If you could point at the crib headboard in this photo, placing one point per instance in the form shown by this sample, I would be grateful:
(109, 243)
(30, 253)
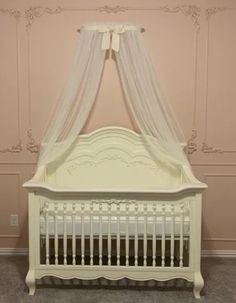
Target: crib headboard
(114, 158)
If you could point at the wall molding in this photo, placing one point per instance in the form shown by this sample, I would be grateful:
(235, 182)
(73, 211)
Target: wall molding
(219, 175)
(34, 12)
(18, 162)
(5, 251)
(220, 239)
(211, 11)
(16, 147)
(219, 253)
(191, 144)
(213, 163)
(12, 12)
(9, 236)
(206, 147)
(31, 145)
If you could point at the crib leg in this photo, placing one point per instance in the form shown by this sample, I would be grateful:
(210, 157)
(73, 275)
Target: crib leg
(198, 285)
(30, 281)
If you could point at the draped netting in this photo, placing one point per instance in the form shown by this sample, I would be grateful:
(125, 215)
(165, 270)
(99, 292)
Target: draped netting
(77, 99)
(141, 89)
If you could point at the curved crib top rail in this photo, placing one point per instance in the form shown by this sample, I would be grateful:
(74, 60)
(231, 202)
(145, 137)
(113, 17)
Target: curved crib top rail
(111, 159)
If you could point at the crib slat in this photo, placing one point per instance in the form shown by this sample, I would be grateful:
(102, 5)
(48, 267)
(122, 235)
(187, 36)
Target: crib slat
(109, 234)
(65, 234)
(127, 236)
(47, 231)
(82, 234)
(56, 233)
(181, 235)
(100, 234)
(154, 209)
(163, 240)
(118, 235)
(145, 236)
(73, 235)
(136, 237)
(91, 233)
(172, 242)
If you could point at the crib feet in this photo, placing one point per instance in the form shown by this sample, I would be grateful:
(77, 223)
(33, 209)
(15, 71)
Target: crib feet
(198, 285)
(30, 282)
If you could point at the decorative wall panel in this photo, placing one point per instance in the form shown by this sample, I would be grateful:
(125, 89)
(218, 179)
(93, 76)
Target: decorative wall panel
(10, 133)
(10, 199)
(220, 70)
(193, 49)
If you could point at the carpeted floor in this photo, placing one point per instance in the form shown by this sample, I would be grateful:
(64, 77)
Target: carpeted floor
(219, 275)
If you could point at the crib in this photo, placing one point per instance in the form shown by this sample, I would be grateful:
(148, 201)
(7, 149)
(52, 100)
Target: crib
(109, 210)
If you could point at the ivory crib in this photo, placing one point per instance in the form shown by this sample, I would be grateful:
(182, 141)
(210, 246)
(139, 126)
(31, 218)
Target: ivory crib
(109, 210)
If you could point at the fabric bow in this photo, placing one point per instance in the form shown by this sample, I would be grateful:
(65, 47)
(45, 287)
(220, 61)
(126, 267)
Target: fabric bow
(111, 36)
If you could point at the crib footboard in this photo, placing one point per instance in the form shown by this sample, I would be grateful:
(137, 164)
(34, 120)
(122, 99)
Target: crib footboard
(140, 237)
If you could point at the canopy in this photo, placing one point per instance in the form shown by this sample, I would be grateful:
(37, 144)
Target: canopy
(151, 113)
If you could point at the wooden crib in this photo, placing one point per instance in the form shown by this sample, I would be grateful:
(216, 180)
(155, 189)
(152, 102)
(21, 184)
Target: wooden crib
(109, 210)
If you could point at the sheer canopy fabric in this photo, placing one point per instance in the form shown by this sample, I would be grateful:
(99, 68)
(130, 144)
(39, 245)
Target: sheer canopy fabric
(141, 89)
(77, 98)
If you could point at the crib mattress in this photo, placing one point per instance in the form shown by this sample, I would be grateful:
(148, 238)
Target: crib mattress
(113, 227)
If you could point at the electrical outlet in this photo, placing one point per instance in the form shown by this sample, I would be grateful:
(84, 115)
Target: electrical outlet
(14, 220)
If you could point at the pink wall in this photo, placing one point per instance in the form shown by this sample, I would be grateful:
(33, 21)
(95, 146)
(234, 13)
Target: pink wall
(194, 52)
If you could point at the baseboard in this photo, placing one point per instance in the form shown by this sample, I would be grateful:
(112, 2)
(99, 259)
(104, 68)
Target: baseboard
(219, 253)
(205, 253)
(13, 251)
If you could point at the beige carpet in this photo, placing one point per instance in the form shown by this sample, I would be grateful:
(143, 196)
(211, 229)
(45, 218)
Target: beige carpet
(219, 275)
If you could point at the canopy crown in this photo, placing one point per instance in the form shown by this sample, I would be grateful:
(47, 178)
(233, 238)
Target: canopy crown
(111, 32)
(118, 27)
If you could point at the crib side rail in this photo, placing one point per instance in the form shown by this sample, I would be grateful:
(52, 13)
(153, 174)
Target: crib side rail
(115, 232)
